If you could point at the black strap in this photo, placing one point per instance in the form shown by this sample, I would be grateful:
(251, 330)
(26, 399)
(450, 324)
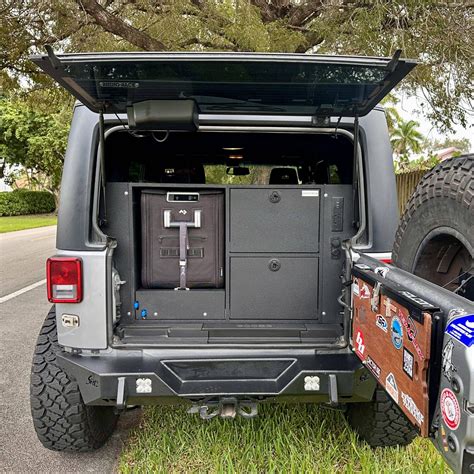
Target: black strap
(183, 255)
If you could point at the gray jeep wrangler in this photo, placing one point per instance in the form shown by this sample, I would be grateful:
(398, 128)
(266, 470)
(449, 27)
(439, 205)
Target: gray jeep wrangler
(225, 239)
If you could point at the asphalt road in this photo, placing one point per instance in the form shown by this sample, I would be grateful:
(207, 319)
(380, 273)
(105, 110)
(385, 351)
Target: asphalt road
(22, 311)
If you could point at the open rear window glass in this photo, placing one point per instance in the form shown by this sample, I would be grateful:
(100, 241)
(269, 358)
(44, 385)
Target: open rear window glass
(247, 83)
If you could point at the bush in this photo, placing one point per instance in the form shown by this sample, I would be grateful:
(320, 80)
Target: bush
(21, 202)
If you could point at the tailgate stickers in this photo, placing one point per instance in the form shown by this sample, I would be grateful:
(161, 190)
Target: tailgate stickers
(391, 386)
(408, 362)
(364, 292)
(360, 347)
(462, 329)
(381, 323)
(373, 367)
(450, 409)
(410, 405)
(397, 333)
(394, 346)
(447, 365)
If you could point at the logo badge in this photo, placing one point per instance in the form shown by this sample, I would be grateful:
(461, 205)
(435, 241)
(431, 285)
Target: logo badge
(373, 367)
(408, 361)
(359, 345)
(391, 386)
(412, 408)
(381, 323)
(462, 329)
(397, 333)
(450, 409)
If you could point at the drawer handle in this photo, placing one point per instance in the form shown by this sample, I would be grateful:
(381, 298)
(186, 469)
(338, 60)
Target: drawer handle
(274, 264)
(275, 197)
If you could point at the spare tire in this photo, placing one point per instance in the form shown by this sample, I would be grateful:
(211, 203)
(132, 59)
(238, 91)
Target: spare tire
(435, 238)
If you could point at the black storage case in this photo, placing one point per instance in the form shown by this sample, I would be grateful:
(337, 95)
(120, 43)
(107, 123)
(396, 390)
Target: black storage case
(161, 240)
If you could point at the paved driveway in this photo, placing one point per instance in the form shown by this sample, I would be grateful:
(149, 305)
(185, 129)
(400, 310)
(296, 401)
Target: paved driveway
(22, 310)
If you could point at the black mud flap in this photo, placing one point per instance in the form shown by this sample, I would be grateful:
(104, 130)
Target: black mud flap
(417, 340)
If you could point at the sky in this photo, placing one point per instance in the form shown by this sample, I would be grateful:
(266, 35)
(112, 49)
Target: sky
(409, 108)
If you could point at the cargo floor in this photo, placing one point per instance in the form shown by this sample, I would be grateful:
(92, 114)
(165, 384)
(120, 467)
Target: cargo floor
(152, 333)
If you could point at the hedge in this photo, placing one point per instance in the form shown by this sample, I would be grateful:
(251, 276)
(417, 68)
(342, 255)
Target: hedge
(21, 202)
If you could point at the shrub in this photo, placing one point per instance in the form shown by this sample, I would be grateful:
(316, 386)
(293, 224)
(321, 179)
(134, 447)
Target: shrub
(22, 202)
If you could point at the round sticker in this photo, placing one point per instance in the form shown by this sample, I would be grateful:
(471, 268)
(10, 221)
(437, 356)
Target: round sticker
(450, 409)
(397, 333)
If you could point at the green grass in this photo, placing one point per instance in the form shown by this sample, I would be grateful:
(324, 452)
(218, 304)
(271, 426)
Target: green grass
(284, 438)
(10, 224)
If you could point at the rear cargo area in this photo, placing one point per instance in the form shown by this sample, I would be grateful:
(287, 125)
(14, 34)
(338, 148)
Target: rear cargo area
(227, 238)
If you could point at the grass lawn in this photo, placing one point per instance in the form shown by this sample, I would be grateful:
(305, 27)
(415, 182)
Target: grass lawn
(9, 224)
(284, 438)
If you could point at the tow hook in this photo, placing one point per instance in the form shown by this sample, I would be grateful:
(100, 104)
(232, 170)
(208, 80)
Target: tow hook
(227, 408)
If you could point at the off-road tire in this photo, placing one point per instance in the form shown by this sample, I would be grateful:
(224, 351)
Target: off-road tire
(380, 422)
(442, 202)
(61, 419)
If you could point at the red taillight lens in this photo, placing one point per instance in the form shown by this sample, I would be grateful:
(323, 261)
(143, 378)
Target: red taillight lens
(386, 260)
(64, 279)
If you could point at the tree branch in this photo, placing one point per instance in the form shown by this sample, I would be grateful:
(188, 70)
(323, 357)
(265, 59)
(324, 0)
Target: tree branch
(118, 27)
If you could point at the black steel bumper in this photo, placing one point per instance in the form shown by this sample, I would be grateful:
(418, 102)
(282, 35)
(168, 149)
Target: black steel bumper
(111, 377)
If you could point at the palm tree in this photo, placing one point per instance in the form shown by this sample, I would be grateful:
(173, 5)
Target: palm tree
(406, 139)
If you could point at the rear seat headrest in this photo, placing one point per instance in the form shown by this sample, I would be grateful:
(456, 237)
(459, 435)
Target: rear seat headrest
(283, 176)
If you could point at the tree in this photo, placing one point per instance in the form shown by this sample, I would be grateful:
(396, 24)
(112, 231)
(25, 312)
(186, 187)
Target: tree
(406, 139)
(34, 140)
(437, 33)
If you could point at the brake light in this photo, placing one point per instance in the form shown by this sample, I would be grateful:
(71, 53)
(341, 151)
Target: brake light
(64, 279)
(386, 260)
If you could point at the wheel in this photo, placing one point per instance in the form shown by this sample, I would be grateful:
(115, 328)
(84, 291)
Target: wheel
(435, 238)
(61, 419)
(380, 422)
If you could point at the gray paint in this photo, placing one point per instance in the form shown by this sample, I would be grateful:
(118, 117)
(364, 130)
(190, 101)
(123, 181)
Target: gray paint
(289, 225)
(380, 182)
(92, 310)
(183, 305)
(257, 292)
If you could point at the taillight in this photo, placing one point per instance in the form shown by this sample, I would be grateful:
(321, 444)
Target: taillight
(386, 260)
(64, 279)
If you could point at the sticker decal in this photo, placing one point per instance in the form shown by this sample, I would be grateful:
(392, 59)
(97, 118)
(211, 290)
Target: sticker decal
(373, 367)
(450, 409)
(355, 287)
(411, 334)
(364, 292)
(397, 333)
(416, 299)
(447, 364)
(381, 323)
(462, 329)
(359, 346)
(389, 308)
(408, 362)
(412, 408)
(456, 312)
(382, 271)
(391, 386)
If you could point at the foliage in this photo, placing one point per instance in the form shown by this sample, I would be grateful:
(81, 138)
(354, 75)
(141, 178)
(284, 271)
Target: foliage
(23, 202)
(14, 223)
(406, 139)
(439, 34)
(283, 438)
(462, 144)
(35, 140)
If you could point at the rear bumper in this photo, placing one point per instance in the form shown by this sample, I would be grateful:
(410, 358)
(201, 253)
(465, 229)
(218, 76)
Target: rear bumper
(202, 374)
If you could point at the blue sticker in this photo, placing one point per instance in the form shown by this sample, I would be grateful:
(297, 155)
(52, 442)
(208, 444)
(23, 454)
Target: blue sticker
(462, 329)
(397, 333)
